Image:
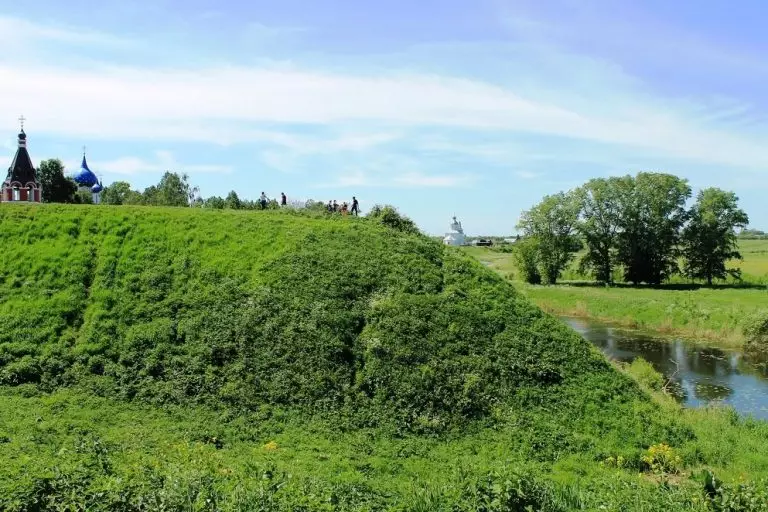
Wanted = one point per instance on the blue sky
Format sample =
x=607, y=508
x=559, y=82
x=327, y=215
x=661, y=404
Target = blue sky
x=474, y=108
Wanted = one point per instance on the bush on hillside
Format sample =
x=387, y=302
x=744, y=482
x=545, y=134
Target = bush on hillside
x=756, y=332
x=390, y=217
x=526, y=259
x=645, y=374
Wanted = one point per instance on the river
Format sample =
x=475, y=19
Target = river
x=701, y=375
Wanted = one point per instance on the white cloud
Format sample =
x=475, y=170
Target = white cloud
x=163, y=161
x=210, y=104
x=17, y=32
x=365, y=179
x=232, y=104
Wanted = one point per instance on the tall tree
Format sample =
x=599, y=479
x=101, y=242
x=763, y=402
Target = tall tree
x=600, y=225
x=173, y=190
x=709, y=239
x=215, y=202
x=120, y=192
x=551, y=225
x=57, y=188
x=651, y=213
x=232, y=201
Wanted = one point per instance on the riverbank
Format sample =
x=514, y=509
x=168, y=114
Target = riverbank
x=713, y=316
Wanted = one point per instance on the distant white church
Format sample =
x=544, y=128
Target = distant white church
x=456, y=235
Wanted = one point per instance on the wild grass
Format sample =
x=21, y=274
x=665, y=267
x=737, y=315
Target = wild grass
x=177, y=359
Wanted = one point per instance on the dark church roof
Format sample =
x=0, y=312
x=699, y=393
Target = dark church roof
x=21, y=169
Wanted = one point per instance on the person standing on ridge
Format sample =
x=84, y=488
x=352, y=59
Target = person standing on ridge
x=335, y=206
x=263, y=201
x=355, y=207
x=283, y=199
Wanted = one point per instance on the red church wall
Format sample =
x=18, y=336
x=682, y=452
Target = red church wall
x=6, y=195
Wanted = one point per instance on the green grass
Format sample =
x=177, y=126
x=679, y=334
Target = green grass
x=755, y=264
x=708, y=315
x=178, y=359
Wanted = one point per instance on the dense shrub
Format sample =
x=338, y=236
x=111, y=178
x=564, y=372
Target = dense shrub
x=390, y=217
x=756, y=332
x=526, y=259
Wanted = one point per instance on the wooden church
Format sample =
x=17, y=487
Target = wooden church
x=21, y=184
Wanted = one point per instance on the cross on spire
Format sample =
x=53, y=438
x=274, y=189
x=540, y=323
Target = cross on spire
x=21, y=120
x=83, y=150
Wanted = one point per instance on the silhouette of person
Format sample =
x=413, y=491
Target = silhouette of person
x=355, y=206
x=283, y=199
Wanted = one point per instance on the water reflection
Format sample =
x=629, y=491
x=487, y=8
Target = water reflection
x=700, y=375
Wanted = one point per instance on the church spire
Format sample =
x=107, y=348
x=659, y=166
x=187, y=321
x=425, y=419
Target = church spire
x=21, y=183
x=22, y=135
x=84, y=165
x=84, y=176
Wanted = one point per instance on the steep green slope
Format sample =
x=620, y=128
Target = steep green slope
x=245, y=310
x=270, y=322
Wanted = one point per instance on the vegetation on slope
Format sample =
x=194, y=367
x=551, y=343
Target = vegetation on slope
x=380, y=357
x=173, y=305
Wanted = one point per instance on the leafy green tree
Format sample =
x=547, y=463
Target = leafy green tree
x=173, y=190
x=651, y=214
x=600, y=226
x=120, y=192
x=551, y=224
x=525, y=253
x=57, y=188
x=215, y=202
x=390, y=217
x=232, y=201
x=709, y=238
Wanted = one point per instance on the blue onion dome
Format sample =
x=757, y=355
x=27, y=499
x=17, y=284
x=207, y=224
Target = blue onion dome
x=97, y=188
x=84, y=176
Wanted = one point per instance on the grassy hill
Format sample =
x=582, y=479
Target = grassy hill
x=182, y=359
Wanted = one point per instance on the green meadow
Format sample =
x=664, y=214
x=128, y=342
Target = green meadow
x=185, y=359
x=682, y=308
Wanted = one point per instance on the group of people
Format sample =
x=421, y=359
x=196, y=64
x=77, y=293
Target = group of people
x=333, y=206
x=344, y=208
x=264, y=200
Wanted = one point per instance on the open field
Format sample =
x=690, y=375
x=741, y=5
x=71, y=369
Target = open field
x=755, y=264
x=711, y=315
x=70, y=450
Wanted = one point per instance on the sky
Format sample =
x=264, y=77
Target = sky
x=473, y=108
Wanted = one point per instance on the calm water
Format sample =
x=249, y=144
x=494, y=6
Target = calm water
x=701, y=375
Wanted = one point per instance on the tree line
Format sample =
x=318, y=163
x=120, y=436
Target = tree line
x=173, y=189
x=637, y=226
